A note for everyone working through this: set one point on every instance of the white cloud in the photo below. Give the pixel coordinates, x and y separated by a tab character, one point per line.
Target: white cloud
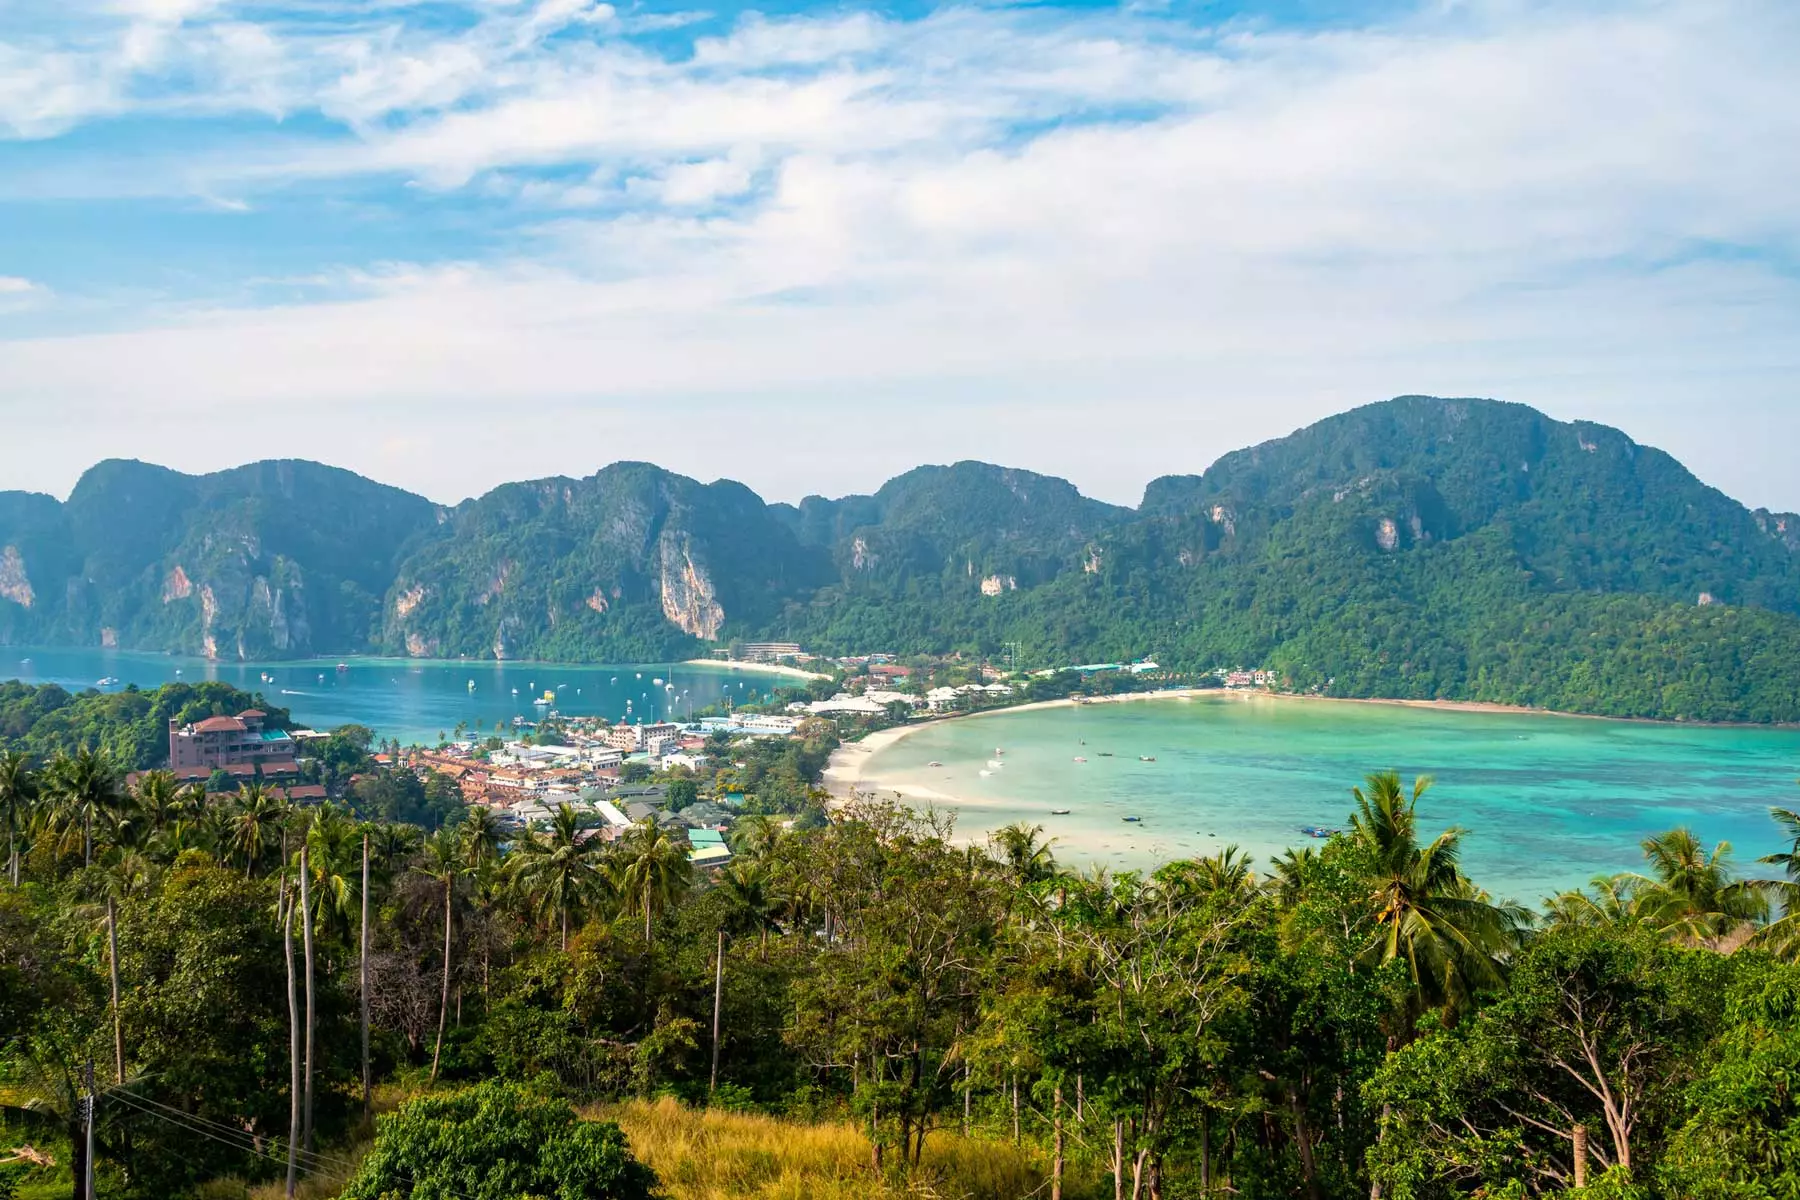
14	285
1102	244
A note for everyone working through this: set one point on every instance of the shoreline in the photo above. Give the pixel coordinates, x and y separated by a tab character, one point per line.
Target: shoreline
755	668
847	771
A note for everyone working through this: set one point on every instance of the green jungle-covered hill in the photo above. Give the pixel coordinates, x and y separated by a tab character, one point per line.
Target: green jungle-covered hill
1420	547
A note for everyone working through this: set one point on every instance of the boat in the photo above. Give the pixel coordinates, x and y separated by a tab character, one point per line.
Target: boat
109	681
1078	758
471	685
998	751
1106	754
1131	820
515	691
1059	812
1146	758
343	667
657	682
994	762
1319	831
934	763
984	772
26	662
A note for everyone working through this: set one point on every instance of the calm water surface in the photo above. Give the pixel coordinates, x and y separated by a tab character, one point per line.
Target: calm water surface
407	698
1548	801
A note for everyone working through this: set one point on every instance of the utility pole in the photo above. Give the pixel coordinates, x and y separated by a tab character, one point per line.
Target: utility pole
306	941
718	996
363	967
88	1105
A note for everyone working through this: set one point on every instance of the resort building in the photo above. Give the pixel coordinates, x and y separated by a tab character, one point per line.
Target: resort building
239	746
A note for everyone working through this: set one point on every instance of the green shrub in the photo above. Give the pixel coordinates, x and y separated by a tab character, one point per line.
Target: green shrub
497	1142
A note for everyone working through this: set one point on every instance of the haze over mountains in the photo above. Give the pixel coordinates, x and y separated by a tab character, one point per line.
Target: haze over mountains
1420	547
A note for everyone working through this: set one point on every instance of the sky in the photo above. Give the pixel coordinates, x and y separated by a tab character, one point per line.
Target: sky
809	246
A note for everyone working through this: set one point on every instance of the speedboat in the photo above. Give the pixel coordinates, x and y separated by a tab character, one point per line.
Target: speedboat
984	773
996	763
1059	812
1146	758
1318	831
934	763
1078	758
342	667
109	681
1131	820
1106	754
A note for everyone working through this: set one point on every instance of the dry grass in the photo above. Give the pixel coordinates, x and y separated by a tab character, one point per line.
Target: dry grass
708	1154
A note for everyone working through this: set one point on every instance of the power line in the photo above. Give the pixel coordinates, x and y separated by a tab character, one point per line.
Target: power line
140	1104
235	1131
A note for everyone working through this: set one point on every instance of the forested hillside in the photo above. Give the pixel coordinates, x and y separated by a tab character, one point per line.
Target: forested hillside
1420	547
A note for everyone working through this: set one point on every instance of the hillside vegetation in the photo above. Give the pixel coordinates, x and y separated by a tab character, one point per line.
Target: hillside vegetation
1417	548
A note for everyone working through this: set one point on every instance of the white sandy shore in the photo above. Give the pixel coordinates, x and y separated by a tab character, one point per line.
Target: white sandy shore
756	668
847	773
843	775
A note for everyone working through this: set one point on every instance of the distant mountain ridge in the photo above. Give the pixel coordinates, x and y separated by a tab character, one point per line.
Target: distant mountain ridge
1454	548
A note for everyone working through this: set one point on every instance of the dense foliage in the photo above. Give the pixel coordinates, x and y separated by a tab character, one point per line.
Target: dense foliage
129	725
1419	548
1355	1019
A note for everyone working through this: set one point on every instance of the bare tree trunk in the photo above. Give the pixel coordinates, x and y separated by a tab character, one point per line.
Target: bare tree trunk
293	999
312	1011
1015	1102
1581	1156
718	1003
968	1091
363	972
1118	1159
1303	1142
444	998
565	928
1056	1160
1205	1151
875	1136
112	963
646	912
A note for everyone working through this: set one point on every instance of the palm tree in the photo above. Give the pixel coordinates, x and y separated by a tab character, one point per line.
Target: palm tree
1424	911
18	793
480	836
559	871
86	787
443	863
161	799
1782	936
1020	851
653	870
755	837
750	886
334	843
256	823
1608	900
1695	896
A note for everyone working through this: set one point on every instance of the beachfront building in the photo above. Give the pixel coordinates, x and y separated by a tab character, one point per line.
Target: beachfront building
769	652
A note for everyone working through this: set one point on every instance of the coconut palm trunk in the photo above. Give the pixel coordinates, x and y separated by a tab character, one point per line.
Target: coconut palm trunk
112	963
306	936
444	996
293	999
363	973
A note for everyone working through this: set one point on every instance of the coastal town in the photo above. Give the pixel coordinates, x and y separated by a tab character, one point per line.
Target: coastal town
790	759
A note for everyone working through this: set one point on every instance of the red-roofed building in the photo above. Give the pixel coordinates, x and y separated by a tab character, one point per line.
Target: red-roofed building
237	744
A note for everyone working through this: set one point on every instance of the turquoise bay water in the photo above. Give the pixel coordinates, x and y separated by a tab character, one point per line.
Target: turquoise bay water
1548	801
409	699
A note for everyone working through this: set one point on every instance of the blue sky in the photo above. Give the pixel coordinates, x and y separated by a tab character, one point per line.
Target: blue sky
809	246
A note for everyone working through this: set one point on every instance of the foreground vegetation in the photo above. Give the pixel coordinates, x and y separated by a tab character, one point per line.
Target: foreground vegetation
866	1006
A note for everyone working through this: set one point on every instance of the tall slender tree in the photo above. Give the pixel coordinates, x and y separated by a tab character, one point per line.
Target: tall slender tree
18	793
653	870
442	862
